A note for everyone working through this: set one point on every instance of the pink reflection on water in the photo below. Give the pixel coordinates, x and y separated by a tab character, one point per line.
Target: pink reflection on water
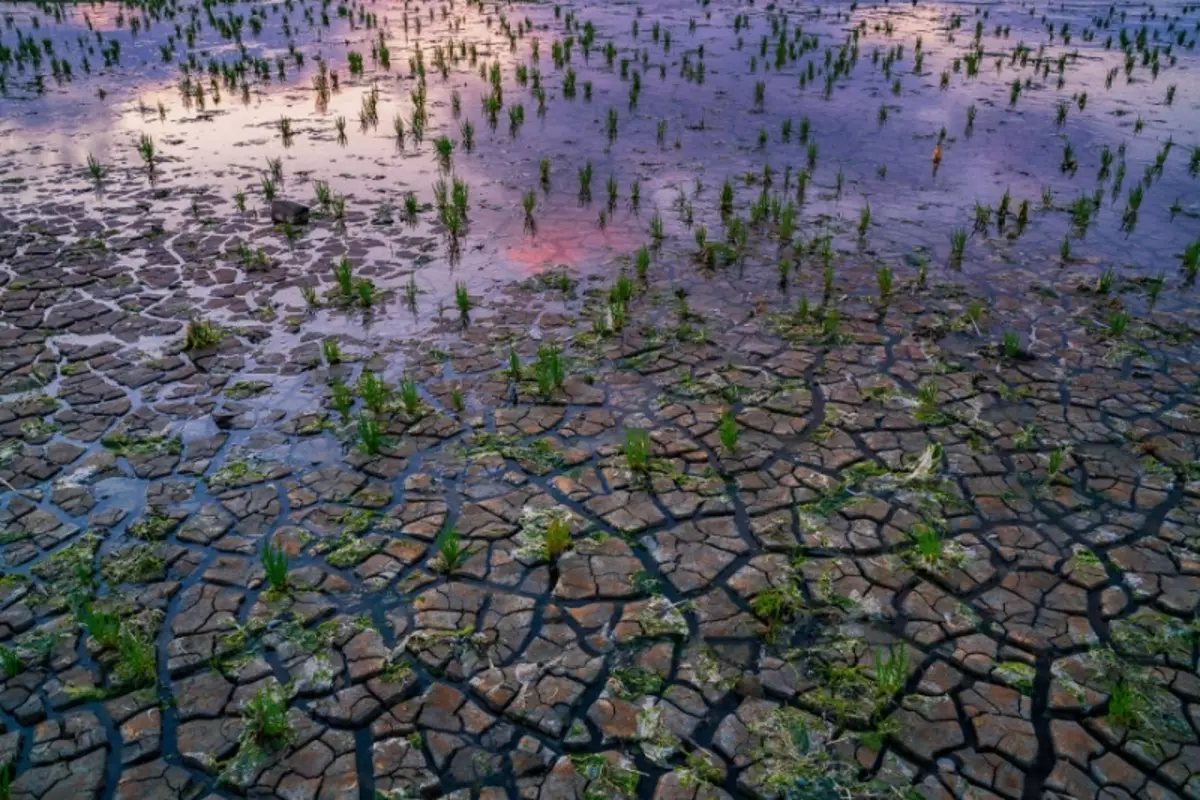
574	243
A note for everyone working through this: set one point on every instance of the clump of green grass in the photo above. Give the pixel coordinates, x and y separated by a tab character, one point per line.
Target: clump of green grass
1123	703
727	430
370	436
1190	263
1118	323
529	202
883	277
10	663
829	324
557	538
891	670
958	243
444	147
373	391
275	566
145	149
1081	213
103	626
409	397
864	219
323	194
656	227
637	449
927	545
641	263
452	554
200	335
462	299
266	717
136	660
341	399
332	351
366	293
927	394
983	217
95	168
1011	345
585	183
549	370
343	273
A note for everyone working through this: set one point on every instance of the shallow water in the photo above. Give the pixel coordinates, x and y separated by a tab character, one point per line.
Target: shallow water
982	480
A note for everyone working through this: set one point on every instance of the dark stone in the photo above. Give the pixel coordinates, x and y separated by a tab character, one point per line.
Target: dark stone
289	212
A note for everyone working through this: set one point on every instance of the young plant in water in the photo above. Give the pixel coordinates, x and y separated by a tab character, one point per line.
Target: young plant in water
200	335
366	293
452	554
332	351
409	397
585	183
323	194
637	449
958	243
727	430
656	227
341	399
557	538
1191	261
374	392
146	150
275	566
829	324
927	546
864	219
95	168
10	665
883	277
343	274
1011	345
1118	323
529	202
444	146
641	263
1123	704
462	299
370	437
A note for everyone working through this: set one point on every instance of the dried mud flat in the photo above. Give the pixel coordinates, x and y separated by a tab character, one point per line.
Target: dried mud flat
676	524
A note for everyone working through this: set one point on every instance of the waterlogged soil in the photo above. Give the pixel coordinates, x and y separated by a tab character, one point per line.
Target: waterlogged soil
916	509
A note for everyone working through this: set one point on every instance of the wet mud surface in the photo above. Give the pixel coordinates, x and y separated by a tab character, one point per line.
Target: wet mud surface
843	443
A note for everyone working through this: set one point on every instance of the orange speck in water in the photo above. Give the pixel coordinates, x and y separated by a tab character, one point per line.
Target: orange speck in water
937	154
